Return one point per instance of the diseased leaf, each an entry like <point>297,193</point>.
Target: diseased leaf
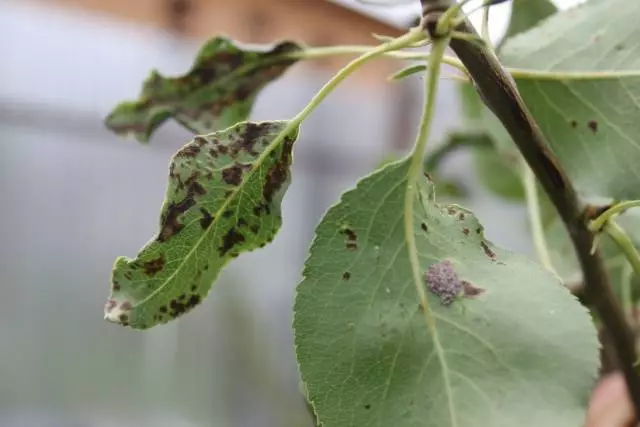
<point>223,198</point>
<point>580,77</point>
<point>512,339</point>
<point>216,93</point>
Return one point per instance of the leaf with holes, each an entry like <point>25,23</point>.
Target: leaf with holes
<point>579,74</point>
<point>216,93</point>
<point>509,336</point>
<point>223,198</point>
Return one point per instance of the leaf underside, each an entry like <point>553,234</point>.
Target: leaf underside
<point>223,198</point>
<point>588,108</point>
<point>218,91</point>
<point>518,340</point>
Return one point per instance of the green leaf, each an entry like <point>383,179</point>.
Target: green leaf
<point>223,198</point>
<point>580,77</point>
<point>497,166</point>
<point>566,263</point>
<point>407,71</point>
<point>526,14</point>
<point>514,340</point>
<point>217,92</point>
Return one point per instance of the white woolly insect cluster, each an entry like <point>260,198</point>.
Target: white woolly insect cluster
<point>443,281</point>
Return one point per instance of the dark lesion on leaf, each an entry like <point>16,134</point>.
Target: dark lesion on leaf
<point>424,227</point>
<point>279,173</point>
<point>251,134</point>
<point>487,251</point>
<point>470,290</point>
<point>346,275</point>
<point>170,226</point>
<point>593,126</point>
<point>181,305</point>
<point>189,150</point>
<point>465,230</point>
<point>232,175</point>
<point>154,266</point>
<point>230,240</point>
<point>351,243</point>
<point>206,219</point>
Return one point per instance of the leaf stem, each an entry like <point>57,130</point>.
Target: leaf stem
<point>624,243</point>
<point>598,223</point>
<point>533,206</point>
<point>415,170</point>
<point>323,52</point>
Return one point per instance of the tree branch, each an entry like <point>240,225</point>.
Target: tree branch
<point>499,92</point>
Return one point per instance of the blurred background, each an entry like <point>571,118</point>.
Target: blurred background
<point>73,196</point>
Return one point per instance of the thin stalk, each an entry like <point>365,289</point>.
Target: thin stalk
<point>533,206</point>
<point>624,243</point>
<point>598,223</point>
<point>401,42</point>
<point>323,52</point>
<point>415,170</point>
<point>625,286</point>
<point>485,24</point>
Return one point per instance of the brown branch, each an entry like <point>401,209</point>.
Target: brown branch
<point>499,92</point>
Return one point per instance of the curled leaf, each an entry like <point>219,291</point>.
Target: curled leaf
<point>217,92</point>
<point>223,198</point>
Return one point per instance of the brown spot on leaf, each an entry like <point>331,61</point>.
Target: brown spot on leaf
<point>110,305</point>
<point>213,153</point>
<point>206,219</point>
<point>487,250</point>
<point>200,141</point>
<point>423,226</point>
<point>126,306</point>
<point>461,216</point>
<point>451,211</point>
<point>465,231</point>
<point>154,266</point>
<point>573,124</point>
<point>193,300</point>
<point>346,275</point>
<point>351,238</point>
<point>116,286</point>
<point>232,175</point>
<point>593,125</point>
<point>229,241</point>
<point>222,149</point>
<point>470,290</point>
<point>189,150</point>
<point>123,318</point>
<point>170,225</point>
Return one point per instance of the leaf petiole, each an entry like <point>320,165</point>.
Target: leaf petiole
<point>415,169</point>
<point>618,208</point>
